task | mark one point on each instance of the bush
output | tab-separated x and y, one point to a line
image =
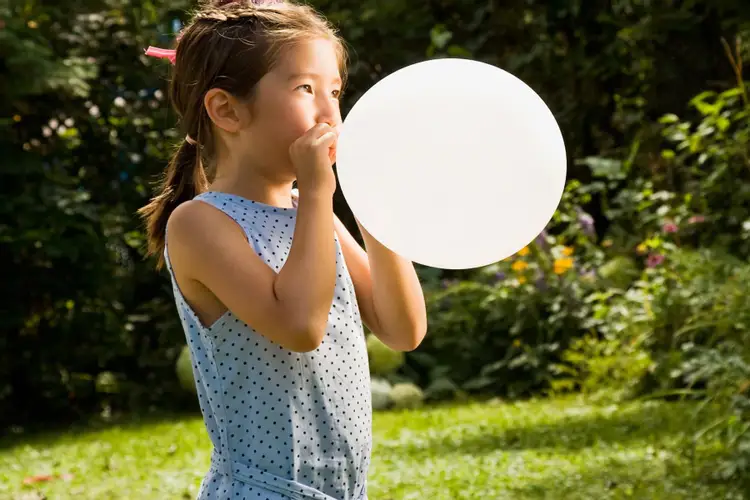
685	214
502	329
701	341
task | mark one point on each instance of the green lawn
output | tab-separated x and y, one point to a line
562	448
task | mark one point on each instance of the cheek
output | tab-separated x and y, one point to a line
297	119
285	122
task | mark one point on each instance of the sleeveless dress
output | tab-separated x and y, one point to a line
284	425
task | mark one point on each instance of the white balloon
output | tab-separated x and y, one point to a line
452	163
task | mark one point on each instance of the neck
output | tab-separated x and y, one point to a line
254	185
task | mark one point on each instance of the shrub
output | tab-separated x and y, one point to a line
502	329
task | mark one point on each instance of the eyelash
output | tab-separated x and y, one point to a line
337	92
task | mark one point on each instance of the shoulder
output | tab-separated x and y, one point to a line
191	218
194	228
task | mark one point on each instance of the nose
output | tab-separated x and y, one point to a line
328	111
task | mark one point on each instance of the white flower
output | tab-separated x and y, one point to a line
119	102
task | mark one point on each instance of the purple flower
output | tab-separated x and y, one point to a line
654	259
500	276
588	276
448	283
586	222
541	239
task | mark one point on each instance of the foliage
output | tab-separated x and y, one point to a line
699	340
406	395
380	393
554	449
383	360
685	216
611	357
725	371
698	180
86	129
501	330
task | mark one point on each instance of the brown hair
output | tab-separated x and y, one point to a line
230	46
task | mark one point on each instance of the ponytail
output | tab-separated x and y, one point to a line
184	179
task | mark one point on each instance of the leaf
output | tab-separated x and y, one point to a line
669	118
607	168
440	36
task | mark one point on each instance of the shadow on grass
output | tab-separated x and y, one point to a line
632	423
50	436
566	432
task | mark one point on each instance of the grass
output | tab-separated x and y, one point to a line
548	449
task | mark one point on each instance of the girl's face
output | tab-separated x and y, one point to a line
302	90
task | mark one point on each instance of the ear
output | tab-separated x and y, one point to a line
225	110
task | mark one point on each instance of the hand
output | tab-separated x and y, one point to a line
313	156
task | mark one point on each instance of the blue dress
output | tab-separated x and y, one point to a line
284	425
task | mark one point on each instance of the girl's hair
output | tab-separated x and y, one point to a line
229	45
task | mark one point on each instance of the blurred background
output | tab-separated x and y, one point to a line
609	359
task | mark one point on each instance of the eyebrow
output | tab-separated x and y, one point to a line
314	76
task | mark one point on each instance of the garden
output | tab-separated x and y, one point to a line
610	358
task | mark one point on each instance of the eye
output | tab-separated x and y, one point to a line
306	87
336	94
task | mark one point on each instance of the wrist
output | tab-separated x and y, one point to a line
316	190
315	194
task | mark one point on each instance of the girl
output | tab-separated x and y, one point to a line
269	285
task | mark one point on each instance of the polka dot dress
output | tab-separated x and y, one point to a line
284	425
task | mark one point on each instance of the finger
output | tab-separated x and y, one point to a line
326	140
309	137
319	130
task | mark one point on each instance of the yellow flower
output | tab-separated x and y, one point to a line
16	118
562	265
519	265
641	249
516	343
521	280
567	251
607	243
523	252
32	24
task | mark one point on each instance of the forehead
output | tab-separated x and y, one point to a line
316	57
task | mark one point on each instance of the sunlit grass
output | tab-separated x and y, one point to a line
559	448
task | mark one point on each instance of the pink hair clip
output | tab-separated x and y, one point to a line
162	53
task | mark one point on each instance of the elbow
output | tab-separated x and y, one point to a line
307	337
404	339
417	330
415	340
305	343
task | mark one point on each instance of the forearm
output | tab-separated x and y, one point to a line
308	278
398	300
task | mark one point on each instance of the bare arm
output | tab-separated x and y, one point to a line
289	307
388	291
